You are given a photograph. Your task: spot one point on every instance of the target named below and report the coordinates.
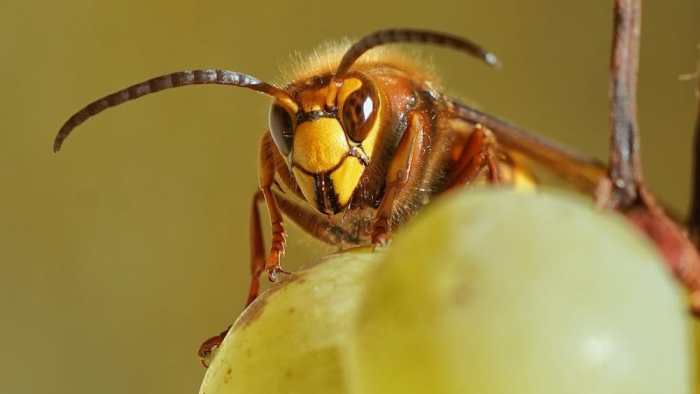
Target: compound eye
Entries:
(358, 113)
(281, 128)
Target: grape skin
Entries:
(503, 292)
(484, 292)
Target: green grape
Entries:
(290, 340)
(500, 292)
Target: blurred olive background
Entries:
(122, 253)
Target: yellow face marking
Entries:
(349, 85)
(306, 184)
(319, 145)
(345, 179)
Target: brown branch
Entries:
(625, 167)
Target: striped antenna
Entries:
(389, 36)
(168, 81)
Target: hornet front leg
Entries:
(405, 164)
(258, 261)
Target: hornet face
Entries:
(327, 138)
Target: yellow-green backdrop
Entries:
(119, 255)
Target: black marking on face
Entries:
(332, 195)
(319, 191)
(326, 198)
(313, 115)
